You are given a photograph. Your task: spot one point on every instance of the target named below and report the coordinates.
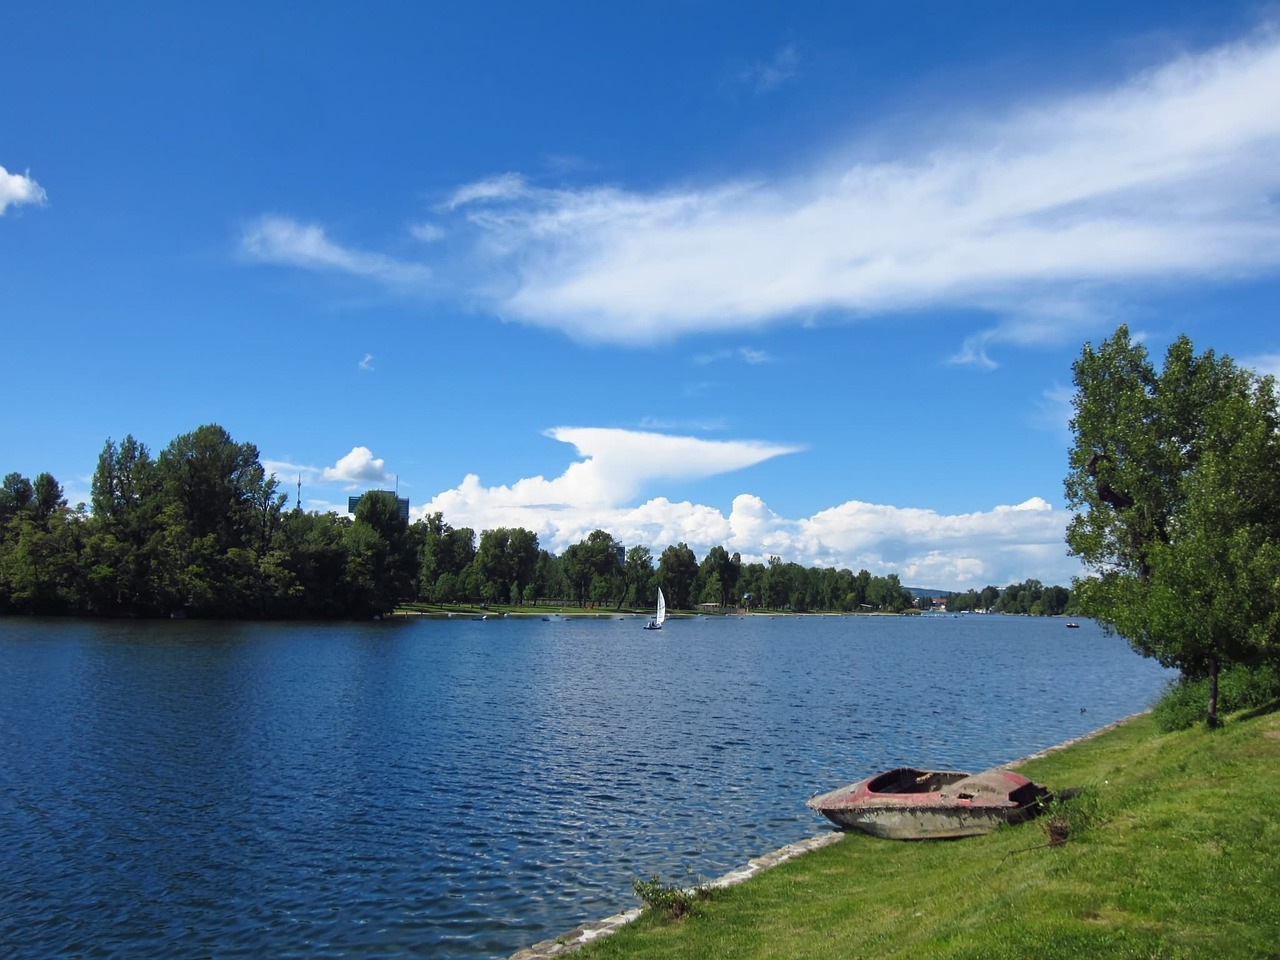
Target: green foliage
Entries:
(637, 573)
(1175, 480)
(677, 572)
(1239, 688)
(669, 901)
(593, 569)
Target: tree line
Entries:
(202, 529)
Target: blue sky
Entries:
(803, 280)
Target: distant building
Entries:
(401, 502)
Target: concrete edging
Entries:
(580, 936)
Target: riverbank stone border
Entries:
(581, 936)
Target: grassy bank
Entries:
(1173, 850)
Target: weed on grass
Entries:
(669, 901)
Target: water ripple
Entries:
(460, 789)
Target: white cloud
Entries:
(17, 189)
(1044, 217)
(507, 186)
(773, 73)
(427, 232)
(357, 467)
(747, 355)
(998, 546)
(1034, 215)
(616, 466)
(282, 240)
(706, 425)
(367, 362)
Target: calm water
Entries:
(463, 789)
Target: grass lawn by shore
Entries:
(1173, 850)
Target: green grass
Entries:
(1172, 850)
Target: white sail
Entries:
(662, 609)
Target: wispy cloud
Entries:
(747, 355)
(1266, 365)
(17, 189)
(770, 74)
(367, 362)
(706, 426)
(507, 186)
(597, 492)
(1044, 217)
(283, 240)
(1032, 216)
(427, 232)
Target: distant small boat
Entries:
(1072, 626)
(910, 804)
(660, 616)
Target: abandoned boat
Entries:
(910, 804)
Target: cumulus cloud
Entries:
(615, 466)
(357, 467)
(17, 189)
(285, 241)
(999, 545)
(1032, 215)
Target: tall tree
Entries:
(221, 488)
(722, 571)
(638, 575)
(1175, 480)
(382, 563)
(593, 568)
(677, 571)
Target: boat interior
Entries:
(910, 780)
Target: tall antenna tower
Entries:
(298, 503)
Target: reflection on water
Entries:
(463, 789)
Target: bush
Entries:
(668, 900)
(1239, 688)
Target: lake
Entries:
(457, 788)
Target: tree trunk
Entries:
(1211, 717)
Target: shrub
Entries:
(668, 900)
(1239, 688)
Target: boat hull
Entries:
(910, 804)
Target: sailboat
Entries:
(660, 616)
